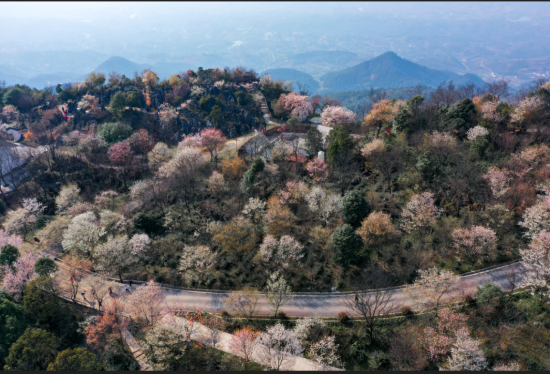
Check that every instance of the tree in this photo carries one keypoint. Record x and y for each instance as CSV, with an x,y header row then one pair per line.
x,y
119,253
340,141
34,350
243,302
438,341
473,242
536,265
293,105
77,359
370,304
466,354
233,169
114,132
278,218
6,238
325,205
19,275
420,213
324,352
244,343
283,253
498,181
278,292
317,169
13,323
237,238
141,142
333,116
347,244
195,262
99,289
83,234
382,113
118,103
277,346
536,218
45,266
94,79
69,195
214,141
248,177
159,155
8,255
432,284
22,220
147,302
377,228
314,141
355,207
166,346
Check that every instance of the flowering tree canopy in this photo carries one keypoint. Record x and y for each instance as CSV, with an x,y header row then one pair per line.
x,y
277,346
317,169
294,104
333,116
285,252
475,241
420,212
432,285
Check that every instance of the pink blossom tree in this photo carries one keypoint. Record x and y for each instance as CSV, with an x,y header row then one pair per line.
x,y
19,275
147,302
438,341
213,140
498,180
317,169
333,116
244,343
6,238
420,212
473,242
297,105
466,354
535,261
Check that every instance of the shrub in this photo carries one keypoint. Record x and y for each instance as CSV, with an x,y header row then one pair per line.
x,y
406,310
114,132
281,315
469,300
343,317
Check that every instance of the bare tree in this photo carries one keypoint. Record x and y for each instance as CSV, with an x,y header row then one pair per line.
x,y
467,90
343,167
303,89
98,288
3,84
413,91
499,88
243,302
278,292
370,304
376,96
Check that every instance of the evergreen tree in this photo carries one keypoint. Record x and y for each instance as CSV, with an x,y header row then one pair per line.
x,y
8,254
356,208
347,244
314,141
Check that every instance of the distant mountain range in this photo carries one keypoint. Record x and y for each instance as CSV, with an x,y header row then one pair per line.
x,y
390,71
293,76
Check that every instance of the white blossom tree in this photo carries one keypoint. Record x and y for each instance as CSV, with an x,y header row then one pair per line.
x,y
165,345
466,354
285,252
195,262
303,325
325,205
324,352
278,292
277,346
83,234
535,261
420,212
118,253
68,197
432,285
147,303
22,220
536,218
254,209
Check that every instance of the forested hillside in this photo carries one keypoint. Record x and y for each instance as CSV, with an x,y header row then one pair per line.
x,y
167,182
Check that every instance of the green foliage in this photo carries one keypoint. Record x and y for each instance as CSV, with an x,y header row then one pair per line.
x,y
118,103
44,309
78,359
149,223
314,141
114,132
12,325
248,177
356,208
8,254
479,147
340,142
33,351
459,117
45,266
405,120
488,294
293,123
120,361
2,207
203,102
347,244
216,113
426,167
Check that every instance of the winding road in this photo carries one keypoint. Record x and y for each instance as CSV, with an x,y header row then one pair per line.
x,y
322,304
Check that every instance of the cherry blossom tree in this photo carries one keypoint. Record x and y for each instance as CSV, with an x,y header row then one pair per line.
x,y
475,241
438,341
158,156
376,228
324,352
325,205
254,210
11,239
244,343
121,154
511,366
87,101
498,180
68,197
83,234
304,325
213,140
376,145
536,218
333,116
535,261
476,132
146,302
183,165
277,346
278,292
432,284
22,220
466,354
294,104
104,199
440,140
488,110
283,253
317,169
167,117
19,275
118,254
295,191
420,212
141,142
10,112
195,262
191,141
525,109
216,183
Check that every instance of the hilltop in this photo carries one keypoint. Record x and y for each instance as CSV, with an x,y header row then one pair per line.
x,y
390,71
294,76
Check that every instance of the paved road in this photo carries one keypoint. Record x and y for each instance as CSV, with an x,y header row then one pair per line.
x,y
322,304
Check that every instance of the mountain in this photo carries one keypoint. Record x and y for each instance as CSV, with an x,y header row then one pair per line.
x,y
390,71
294,76
121,66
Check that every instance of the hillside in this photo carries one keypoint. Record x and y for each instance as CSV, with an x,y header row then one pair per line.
x,y
294,76
120,65
390,71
